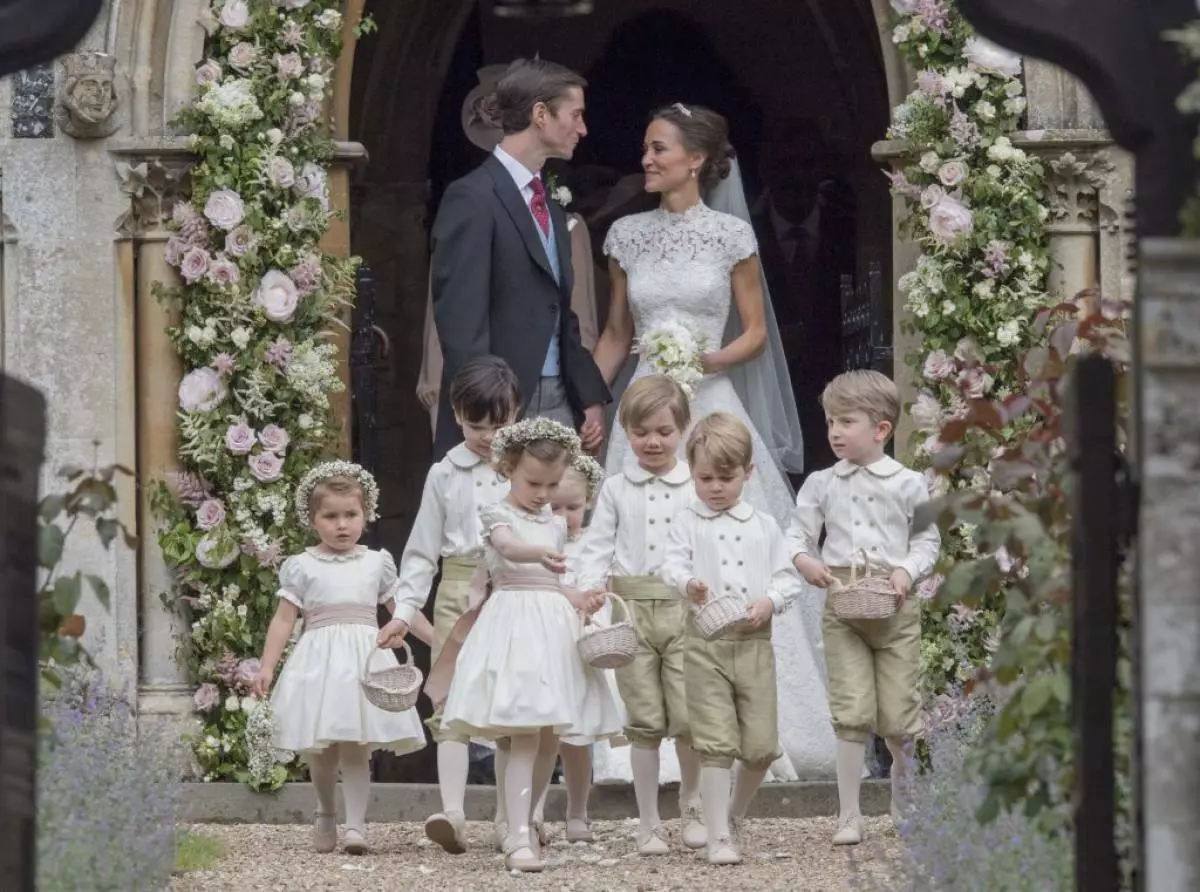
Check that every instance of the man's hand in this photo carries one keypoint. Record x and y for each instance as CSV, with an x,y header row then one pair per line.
x,y
393,634
592,432
698,592
901,583
760,611
813,571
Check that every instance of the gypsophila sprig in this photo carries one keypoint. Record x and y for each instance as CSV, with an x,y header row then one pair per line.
x,y
591,471
673,349
531,430
256,303
265,764
326,470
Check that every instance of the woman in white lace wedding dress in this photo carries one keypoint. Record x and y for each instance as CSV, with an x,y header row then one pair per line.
x,y
686,262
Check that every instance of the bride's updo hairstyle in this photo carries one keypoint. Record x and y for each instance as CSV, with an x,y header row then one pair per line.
x,y
704,131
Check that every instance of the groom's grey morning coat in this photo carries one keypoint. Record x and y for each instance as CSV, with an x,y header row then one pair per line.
x,y
494,292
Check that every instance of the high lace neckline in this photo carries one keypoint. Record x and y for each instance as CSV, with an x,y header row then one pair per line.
x,y
332,558
676,217
539,517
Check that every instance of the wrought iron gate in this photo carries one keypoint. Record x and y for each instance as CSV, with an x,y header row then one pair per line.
x,y
866,322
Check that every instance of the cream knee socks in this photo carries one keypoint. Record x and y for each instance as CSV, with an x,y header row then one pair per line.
x,y
355,761
323,767
715,794
499,768
746,782
644,763
689,774
851,755
577,775
453,761
902,755
518,789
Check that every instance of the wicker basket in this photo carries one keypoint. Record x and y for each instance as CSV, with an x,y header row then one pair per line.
x,y
611,646
396,688
719,616
871,597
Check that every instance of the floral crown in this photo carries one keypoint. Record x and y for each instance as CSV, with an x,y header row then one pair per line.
x,y
588,468
530,431
326,470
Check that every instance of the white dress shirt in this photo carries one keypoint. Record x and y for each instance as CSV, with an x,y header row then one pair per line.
x,y
740,552
630,523
865,508
447,523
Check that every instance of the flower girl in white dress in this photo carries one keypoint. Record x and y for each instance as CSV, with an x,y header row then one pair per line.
x,y
519,674
319,707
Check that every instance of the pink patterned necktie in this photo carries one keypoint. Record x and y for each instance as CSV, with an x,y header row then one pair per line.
x,y
537,204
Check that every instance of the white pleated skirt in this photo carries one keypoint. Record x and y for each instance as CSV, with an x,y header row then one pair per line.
x,y
318,701
519,671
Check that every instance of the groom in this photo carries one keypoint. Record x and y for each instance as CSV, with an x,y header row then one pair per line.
x,y
502,274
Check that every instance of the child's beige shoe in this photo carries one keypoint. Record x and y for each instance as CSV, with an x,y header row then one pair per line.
x,y
354,843
324,832
721,852
448,831
651,842
579,831
524,860
849,832
694,833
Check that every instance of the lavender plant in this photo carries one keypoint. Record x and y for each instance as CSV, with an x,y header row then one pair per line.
x,y
108,799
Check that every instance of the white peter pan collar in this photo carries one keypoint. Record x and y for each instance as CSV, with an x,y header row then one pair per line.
x,y
884,468
462,457
677,476
342,557
741,511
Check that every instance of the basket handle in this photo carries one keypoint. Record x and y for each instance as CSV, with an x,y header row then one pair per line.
x,y
374,650
618,600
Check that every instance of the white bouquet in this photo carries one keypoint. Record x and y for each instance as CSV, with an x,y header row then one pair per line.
x,y
674,350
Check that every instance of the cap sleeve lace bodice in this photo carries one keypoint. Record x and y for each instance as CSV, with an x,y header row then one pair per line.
x,y
678,266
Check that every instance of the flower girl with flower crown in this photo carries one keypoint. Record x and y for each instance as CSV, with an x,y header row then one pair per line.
x,y
519,674
319,707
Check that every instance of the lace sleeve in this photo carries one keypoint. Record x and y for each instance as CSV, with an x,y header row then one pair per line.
x,y
492,516
740,242
292,581
616,243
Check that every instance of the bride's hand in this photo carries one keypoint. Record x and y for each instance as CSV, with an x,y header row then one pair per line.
x,y
712,363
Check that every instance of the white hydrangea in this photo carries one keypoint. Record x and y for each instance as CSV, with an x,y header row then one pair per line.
x,y
231,105
930,162
1009,333
240,337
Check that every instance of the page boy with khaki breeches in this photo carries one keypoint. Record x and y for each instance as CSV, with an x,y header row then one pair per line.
x,y
720,546
625,545
486,396
866,503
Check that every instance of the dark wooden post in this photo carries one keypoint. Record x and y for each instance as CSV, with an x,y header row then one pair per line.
x,y
22,440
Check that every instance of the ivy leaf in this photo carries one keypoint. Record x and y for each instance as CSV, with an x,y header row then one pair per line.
x,y
100,587
51,507
50,545
67,590
107,528
1036,695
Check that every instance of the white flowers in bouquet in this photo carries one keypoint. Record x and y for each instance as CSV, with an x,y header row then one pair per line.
x,y
263,761
674,350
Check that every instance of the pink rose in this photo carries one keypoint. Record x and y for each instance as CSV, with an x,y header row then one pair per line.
x,y
308,274
281,173
208,73
289,65
176,248
267,467
952,173
223,271
312,183
243,56
297,218
277,295
206,697
926,412
274,439
201,390
240,241
938,366
225,209
950,220
247,670
235,15
211,513
931,195
239,438
194,264
974,382
967,350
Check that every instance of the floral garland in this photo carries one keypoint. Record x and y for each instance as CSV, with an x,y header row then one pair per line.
x,y
976,211
257,302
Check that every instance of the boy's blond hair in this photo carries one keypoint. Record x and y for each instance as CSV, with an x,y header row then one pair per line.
x,y
723,440
863,390
647,395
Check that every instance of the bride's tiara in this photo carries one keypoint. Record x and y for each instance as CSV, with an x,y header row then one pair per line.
x,y
683,109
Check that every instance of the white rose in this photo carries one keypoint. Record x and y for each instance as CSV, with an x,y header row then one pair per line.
x,y
208,73
225,209
289,65
274,136
900,34
952,173
927,413
232,703
305,421
949,220
1015,106
281,173
297,99
330,19
195,334
243,56
985,56
938,366
994,171
985,110
235,15
201,390
240,337
948,308
316,82
312,183
931,195
930,162
277,295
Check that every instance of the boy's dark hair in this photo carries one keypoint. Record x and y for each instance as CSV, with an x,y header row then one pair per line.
x,y
486,389
526,83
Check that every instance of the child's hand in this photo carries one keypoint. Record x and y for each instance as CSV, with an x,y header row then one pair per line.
x,y
261,686
901,583
814,571
698,592
393,634
554,561
760,611
595,600
578,599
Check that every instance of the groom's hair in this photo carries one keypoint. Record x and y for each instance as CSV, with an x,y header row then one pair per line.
x,y
526,83
486,390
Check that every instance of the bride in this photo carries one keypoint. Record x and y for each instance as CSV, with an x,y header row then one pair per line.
x,y
688,261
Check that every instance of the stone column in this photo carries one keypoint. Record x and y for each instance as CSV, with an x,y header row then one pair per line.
x,y
153,185
1169,573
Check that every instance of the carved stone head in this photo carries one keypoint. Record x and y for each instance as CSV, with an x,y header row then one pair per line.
x,y
87,95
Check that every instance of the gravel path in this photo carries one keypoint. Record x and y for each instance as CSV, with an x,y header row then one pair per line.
x,y
791,854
